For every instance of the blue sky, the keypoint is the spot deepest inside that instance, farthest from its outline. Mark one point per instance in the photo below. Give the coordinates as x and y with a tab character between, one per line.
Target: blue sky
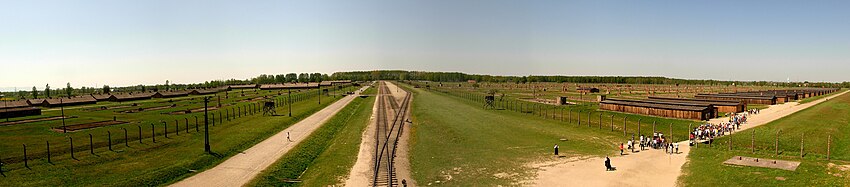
97	42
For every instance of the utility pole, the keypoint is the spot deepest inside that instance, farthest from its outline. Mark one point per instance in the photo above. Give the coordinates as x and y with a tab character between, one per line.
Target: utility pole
206	127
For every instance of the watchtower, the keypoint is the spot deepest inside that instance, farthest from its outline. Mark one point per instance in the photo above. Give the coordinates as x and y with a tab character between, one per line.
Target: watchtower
269	108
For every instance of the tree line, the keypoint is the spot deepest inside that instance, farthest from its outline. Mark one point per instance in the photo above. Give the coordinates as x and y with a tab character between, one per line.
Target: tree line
463	77
399	75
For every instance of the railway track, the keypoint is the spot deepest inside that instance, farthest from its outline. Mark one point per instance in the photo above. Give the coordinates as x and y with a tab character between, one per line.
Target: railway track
391	119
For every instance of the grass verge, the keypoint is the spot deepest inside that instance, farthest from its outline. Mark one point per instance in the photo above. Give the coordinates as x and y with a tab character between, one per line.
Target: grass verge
813	126
327	155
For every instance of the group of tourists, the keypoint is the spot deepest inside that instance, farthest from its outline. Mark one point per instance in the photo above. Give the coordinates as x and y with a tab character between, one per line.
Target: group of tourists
753	111
710	131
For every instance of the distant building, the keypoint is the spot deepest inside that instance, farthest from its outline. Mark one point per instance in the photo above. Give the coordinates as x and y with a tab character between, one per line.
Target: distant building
587	90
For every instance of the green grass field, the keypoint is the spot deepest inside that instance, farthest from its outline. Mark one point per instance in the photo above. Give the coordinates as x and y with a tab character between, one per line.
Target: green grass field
327	155
146	163
816	124
478	147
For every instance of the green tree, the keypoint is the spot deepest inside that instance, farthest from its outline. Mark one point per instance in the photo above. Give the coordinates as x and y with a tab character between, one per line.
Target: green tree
167	84
34	93
47	90
68	89
106	89
291	77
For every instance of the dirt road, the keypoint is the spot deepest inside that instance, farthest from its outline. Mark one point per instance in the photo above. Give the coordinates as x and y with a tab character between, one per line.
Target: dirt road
242	168
647	168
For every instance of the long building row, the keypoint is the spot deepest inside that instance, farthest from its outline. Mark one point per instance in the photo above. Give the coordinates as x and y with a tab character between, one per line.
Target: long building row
19	108
707	106
770	97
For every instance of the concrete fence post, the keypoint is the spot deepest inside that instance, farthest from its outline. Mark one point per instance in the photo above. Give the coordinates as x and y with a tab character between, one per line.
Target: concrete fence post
126	143
26	162
91	144
165	127
71	140
639	124
109	137
600	120
196	124
48	153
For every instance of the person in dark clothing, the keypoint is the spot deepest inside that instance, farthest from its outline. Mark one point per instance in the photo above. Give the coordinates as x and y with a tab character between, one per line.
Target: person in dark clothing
608	166
556	149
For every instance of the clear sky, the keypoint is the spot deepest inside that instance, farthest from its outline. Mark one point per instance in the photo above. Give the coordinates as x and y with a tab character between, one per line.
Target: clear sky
96	42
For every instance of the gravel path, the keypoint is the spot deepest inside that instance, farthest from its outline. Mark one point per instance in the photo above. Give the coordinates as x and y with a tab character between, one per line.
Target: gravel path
242	168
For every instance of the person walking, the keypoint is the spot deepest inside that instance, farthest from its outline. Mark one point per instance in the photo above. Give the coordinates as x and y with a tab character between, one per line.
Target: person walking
621	149
287	136
608	166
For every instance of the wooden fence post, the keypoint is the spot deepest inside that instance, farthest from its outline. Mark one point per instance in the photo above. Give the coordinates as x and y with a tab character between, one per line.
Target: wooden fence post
828	146
588	118
612	123
753	141
578	117
176	128
186	120
671	132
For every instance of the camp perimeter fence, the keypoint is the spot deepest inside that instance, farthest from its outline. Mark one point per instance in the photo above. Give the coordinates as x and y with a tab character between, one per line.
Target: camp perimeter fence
779	144
582	115
774	143
81	143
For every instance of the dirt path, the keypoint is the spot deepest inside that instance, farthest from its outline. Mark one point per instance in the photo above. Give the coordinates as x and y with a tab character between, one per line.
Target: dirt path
647	168
362	171
242	168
